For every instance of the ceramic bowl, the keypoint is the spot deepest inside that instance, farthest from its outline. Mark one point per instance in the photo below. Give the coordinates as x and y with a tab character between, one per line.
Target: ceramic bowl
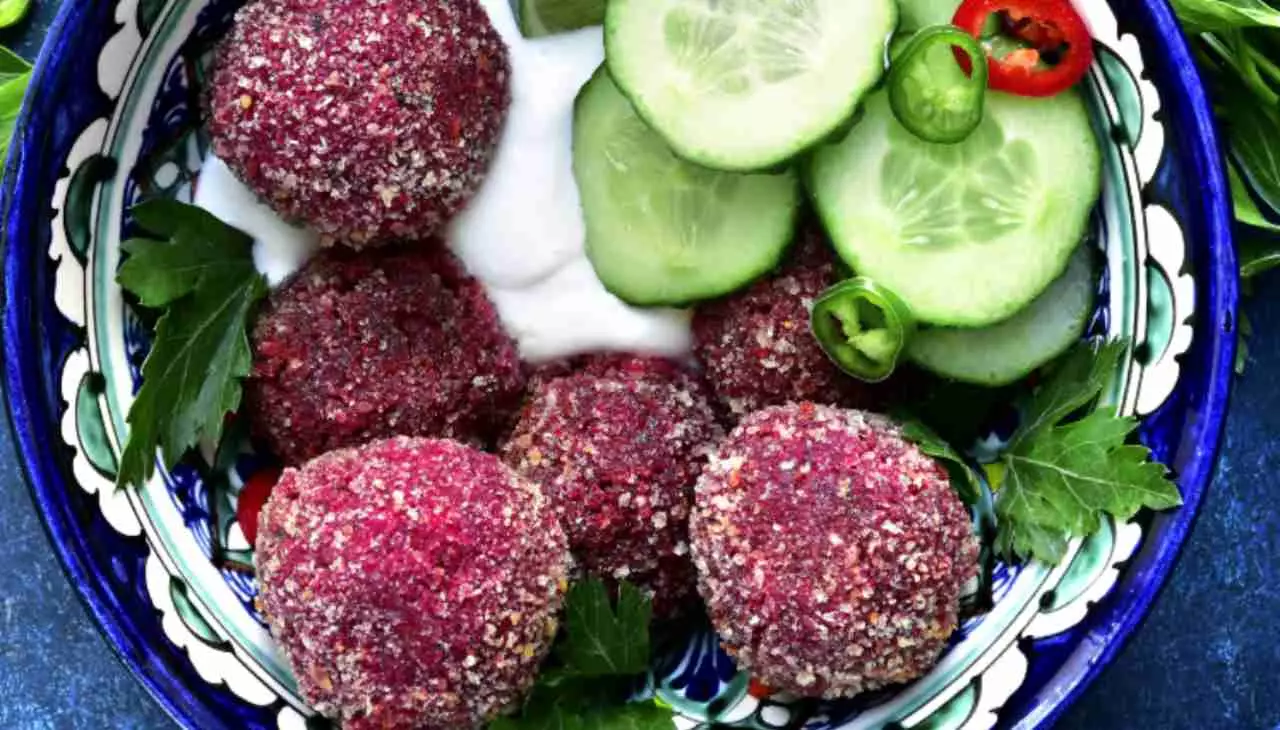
115	116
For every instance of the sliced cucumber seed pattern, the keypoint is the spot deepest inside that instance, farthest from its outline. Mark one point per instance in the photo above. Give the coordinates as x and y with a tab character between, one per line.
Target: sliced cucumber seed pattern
1003	192
730	48
967	233
746	85
689	200
985	187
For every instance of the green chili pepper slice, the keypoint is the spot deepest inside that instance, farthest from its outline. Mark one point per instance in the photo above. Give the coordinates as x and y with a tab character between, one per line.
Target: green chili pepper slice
863	327
936	92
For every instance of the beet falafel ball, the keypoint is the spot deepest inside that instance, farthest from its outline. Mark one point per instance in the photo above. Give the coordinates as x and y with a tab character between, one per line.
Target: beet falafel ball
757	346
412	583
370	120
618	454
831	552
384	343
624	365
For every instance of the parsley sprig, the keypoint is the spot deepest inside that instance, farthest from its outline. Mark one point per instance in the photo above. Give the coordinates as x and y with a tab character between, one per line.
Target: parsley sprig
199	273
603	647
1061	474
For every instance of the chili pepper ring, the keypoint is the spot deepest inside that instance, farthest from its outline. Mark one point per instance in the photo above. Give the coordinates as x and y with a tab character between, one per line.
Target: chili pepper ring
863	327
931	103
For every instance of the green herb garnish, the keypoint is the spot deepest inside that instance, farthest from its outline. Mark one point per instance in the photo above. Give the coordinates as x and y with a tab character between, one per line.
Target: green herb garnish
1223	15
1237	47
15	76
203	279
603	647
1061	474
632	716
13	11
602	639
964	479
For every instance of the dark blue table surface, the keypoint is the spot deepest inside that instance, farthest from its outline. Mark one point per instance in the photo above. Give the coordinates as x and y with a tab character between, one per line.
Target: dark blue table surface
1207	657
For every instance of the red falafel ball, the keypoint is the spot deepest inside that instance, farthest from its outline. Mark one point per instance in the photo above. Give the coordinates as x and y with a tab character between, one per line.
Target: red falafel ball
412	583
831	552
383	343
370	120
757	346
618	455
624	365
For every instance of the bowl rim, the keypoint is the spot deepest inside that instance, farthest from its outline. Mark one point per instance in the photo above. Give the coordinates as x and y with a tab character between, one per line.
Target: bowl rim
1218	299
1198	151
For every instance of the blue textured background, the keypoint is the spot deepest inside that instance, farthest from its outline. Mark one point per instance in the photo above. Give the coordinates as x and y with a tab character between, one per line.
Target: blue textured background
1207	657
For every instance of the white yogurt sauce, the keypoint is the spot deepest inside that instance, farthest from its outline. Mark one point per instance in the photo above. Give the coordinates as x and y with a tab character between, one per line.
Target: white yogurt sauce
279	249
522	235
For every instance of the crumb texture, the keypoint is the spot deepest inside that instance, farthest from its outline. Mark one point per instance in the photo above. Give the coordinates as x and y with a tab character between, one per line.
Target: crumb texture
831	552
369	120
389	342
411	583
757	346
618	445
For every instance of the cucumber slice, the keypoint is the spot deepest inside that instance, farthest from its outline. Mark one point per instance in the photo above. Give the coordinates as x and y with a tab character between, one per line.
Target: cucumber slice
746	84
1006	352
547	17
966	234
663	231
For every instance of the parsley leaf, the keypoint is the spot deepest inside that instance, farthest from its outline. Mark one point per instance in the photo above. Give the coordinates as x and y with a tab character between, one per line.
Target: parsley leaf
964	479
1079	378
602	648
1059	476
634	716
601	641
204	279
13	11
630	716
1218	15
15	76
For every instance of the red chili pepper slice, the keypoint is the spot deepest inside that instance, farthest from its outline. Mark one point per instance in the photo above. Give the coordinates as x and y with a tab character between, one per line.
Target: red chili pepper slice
759	689
253	495
1034	47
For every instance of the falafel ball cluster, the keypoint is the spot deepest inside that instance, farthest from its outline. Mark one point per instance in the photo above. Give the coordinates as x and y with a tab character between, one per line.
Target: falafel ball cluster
370	120
411	582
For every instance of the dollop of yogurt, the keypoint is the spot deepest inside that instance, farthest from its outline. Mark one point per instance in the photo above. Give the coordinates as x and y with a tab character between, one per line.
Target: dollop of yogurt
522	236
279	248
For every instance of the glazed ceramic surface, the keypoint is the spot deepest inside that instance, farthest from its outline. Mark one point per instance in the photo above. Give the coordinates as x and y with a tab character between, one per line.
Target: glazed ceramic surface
115	119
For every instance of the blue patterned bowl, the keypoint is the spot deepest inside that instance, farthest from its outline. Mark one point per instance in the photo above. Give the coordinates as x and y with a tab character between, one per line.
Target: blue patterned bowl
115	116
